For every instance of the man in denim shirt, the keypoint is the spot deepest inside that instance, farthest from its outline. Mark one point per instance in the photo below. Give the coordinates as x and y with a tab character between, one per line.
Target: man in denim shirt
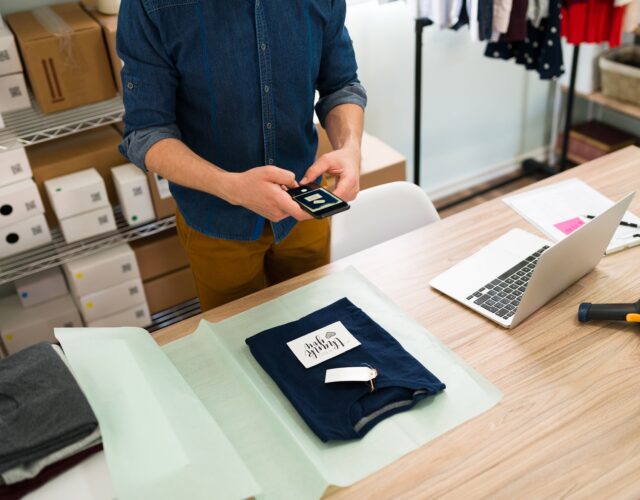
219	98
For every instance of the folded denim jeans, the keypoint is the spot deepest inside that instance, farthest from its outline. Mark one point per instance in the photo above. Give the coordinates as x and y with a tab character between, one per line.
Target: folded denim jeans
344	410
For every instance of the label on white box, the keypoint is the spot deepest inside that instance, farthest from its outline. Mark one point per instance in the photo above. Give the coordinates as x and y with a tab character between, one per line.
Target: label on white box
9	58
323	344
13	93
14	166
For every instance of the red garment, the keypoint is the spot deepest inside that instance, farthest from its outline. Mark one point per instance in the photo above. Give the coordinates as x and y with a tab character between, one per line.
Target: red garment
592	21
18	490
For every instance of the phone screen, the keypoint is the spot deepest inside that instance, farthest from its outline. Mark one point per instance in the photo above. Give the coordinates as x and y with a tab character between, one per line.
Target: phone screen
316	199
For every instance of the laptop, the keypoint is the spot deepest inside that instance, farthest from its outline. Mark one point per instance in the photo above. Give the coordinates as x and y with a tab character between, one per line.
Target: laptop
518	273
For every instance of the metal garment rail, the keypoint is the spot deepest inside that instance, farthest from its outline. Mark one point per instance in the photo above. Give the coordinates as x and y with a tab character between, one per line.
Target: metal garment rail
529	166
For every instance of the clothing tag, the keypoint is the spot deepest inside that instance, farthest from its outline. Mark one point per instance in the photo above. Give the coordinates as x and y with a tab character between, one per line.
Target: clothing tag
323	344
350	374
163	187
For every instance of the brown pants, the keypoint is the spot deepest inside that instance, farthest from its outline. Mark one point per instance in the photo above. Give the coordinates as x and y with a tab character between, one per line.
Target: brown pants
227	270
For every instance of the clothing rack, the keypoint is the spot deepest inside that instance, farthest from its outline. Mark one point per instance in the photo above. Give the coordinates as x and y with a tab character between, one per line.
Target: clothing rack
530	166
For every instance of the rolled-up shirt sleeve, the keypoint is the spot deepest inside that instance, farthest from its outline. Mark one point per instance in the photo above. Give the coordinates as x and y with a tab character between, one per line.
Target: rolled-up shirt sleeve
338	77
149	81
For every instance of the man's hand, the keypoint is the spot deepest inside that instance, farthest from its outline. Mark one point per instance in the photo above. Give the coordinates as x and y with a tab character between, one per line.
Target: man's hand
342	163
261	190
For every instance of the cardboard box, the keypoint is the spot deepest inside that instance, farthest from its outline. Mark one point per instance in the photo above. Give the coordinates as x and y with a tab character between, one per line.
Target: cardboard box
77	193
13	93
159	254
19	201
133	191
20	327
137	316
109	26
88	224
111	300
42	287
170	290
14	166
24	235
101	270
63	75
163	202
9	57
97	148
380	162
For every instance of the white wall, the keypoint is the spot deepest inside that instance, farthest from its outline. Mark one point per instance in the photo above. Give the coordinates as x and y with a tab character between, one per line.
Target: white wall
478	113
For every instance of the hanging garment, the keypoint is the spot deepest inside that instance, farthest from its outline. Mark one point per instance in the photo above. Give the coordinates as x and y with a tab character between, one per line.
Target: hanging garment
592	21
631	17
541	49
443	13
517	30
537	11
501	15
485	19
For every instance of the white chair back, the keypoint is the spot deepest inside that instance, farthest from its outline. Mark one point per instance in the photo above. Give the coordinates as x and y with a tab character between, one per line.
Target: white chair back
379	214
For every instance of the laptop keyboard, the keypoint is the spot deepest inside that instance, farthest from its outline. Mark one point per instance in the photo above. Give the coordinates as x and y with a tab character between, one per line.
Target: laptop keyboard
502	295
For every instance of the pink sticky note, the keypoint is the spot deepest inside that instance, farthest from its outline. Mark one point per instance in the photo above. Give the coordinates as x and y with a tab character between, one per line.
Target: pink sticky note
569	226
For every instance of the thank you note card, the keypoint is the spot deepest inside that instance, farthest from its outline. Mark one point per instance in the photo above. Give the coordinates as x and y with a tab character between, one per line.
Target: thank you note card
323	344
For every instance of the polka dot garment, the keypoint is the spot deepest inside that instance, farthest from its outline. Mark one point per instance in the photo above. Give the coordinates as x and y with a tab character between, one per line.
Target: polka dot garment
540	51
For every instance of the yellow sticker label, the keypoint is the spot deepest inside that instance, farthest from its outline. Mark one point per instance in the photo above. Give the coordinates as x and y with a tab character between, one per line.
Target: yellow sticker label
89	305
79	276
9	337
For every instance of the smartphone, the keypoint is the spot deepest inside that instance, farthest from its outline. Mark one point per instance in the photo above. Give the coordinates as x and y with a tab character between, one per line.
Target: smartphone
317	201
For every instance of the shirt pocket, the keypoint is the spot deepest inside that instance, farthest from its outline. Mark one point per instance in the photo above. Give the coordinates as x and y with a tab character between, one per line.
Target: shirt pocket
154	5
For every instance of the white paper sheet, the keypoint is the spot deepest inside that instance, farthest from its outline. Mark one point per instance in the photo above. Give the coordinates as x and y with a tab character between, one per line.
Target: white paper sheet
159	440
559	209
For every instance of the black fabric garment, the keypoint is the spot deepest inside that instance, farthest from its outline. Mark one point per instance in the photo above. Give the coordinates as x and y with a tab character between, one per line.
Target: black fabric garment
42	409
541	50
345	410
485	19
517	30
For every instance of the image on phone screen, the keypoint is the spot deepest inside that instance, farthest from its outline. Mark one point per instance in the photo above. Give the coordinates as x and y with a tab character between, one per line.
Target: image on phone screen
317	199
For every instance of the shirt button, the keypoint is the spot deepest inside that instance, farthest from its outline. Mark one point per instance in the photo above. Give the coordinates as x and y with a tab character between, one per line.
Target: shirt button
266	89
270	161
263	46
269	125
130	86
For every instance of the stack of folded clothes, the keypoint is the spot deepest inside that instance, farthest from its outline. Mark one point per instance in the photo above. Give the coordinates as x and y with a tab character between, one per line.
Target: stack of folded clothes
46	423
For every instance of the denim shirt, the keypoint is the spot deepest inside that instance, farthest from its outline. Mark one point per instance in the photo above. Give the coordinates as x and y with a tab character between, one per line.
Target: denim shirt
235	80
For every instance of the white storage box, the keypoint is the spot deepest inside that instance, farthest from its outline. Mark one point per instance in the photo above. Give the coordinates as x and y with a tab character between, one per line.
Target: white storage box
136	316
9	58
88	224
102	270
19	201
133	193
77	193
42	287
109	301
20	327
13	93
24	235
14	166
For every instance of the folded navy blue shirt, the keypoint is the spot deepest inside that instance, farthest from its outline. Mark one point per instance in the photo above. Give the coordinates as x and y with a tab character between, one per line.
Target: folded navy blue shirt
344	410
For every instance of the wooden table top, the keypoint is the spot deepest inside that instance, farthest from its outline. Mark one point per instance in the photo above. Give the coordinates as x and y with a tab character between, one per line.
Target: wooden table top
569	423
